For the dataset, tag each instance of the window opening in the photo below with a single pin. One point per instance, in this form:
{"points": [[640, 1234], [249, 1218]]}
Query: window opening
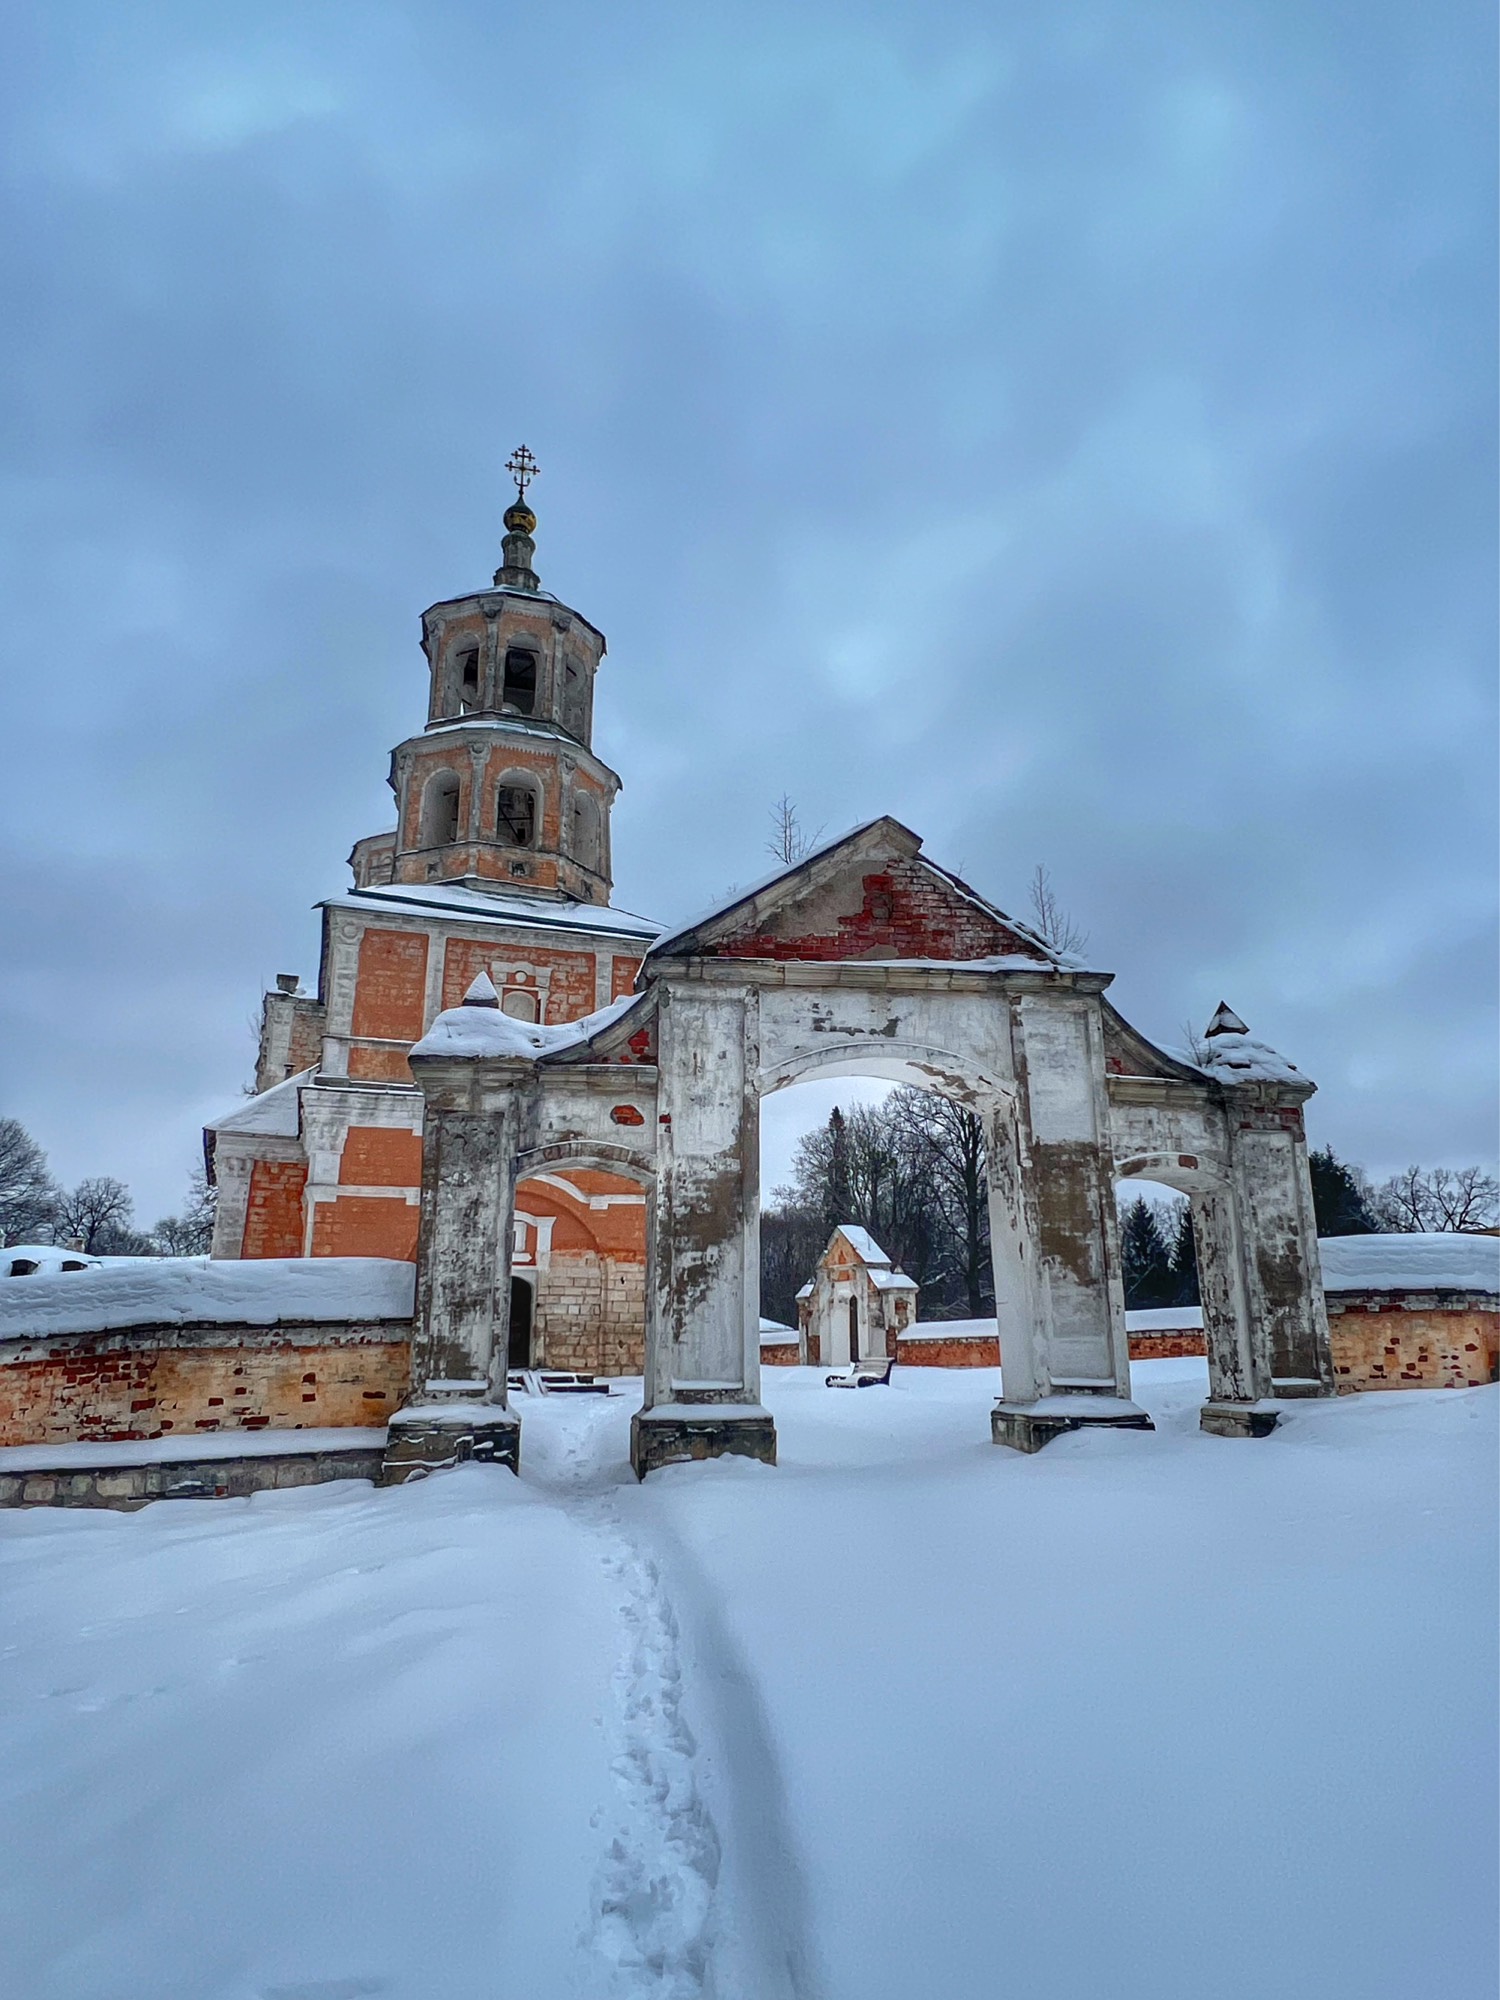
{"points": [[515, 815], [440, 810], [519, 1004], [520, 681], [468, 679], [586, 832]]}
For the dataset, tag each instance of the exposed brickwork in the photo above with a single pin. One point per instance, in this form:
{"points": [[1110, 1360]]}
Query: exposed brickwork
{"points": [[392, 980], [570, 992], [365, 1226], [908, 911], [1384, 1342], [273, 1217], [966, 1351], [169, 1382], [785, 1354], [378, 1065], [377, 1156], [622, 979], [1166, 1346], [590, 1308]]}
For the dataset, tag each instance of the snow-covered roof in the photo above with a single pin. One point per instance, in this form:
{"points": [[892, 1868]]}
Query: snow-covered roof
{"points": [[1421, 1262], [806, 1291], [274, 1111], [35, 1258], [496, 906], [481, 1028], [176, 1291], [774, 1334], [892, 1281], [1240, 1058], [862, 1243]]}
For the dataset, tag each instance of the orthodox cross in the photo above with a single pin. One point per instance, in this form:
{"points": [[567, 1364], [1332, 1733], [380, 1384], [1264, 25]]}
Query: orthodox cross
{"points": [[523, 468]]}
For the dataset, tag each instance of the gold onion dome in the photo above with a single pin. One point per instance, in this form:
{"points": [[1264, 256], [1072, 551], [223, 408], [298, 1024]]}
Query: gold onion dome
{"points": [[519, 519]]}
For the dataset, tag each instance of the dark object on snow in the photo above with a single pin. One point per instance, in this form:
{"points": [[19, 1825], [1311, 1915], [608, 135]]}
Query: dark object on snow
{"points": [[555, 1382], [872, 1374]]}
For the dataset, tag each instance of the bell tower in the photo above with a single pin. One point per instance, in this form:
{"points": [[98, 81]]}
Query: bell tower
{"points": [[502, 789]]}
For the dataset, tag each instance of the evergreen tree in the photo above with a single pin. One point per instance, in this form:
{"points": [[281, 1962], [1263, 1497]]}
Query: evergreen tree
{"points": [[1146, 1258], [1184, 1255], [1339, 1200]]}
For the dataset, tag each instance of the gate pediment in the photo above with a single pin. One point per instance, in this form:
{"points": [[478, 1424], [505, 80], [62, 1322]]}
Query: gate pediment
{"points": [[871, 894]]}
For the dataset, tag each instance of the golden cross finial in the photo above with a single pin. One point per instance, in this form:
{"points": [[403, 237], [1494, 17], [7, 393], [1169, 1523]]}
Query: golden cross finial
{"points": [[523, 468]]}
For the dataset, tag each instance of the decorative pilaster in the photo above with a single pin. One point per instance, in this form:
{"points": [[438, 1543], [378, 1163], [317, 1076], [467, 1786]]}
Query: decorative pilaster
{"points": [[457, 1407], [703, 1354]]}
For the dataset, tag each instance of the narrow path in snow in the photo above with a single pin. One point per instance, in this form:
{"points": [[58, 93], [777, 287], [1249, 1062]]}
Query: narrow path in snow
{"points": [[652, 1922]]}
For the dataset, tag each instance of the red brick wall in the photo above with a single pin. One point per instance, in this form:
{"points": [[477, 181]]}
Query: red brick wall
{"points": [[273, 1217], [377, 1157], [365, 1226], [623, 978], [379, 1065], [109, 1386], [906, 912], [1166, 1346], [390, 986], [1384, 1345], [570, 995], [970, 1352]]}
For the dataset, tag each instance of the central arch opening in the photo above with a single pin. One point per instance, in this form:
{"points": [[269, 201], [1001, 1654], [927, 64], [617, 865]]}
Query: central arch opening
{"points": [[874, 1219]]}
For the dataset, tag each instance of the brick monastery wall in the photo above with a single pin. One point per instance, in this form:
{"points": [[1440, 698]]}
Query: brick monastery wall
{"points": [[1380, 1343], [175, 1381], [273, 1220]]}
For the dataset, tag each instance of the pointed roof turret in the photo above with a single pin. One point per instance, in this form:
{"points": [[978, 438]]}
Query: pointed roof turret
{"points": [[1224, 1022], [481, 993]]}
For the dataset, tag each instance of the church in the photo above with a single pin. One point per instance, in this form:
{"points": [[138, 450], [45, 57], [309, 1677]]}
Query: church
{"points": [[499, 863]]}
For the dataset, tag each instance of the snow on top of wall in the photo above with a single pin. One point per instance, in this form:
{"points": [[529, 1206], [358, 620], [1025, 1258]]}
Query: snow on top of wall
{"points": [[892, 1281], [272, 1111], [1242, 1059], [44, 1257], [1436, 1261], [1164, 1319], [497, 906], [477, 1031], [177, 1291], [774, 1334]]}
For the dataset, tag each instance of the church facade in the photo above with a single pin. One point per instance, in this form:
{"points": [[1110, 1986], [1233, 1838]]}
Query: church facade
{"points": [[499, 864]]}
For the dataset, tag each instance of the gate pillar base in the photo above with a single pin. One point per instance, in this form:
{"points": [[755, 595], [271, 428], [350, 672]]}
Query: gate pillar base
{"points": [[422, 1441], [673, 1432], [1239, 1420], [1029, 1426]]}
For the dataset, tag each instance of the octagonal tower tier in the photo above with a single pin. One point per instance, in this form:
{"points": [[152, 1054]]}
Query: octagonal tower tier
{"points": [[502, 789]]}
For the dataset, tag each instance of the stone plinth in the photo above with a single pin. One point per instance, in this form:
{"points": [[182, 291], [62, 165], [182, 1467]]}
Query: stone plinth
{"points": [[1239, 1420], [1029, 1426], [671, 1433], [440, 1435]]}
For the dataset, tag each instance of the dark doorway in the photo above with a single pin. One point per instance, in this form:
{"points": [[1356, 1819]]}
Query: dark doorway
{"points": [[518, 1354], [854, 1330]]}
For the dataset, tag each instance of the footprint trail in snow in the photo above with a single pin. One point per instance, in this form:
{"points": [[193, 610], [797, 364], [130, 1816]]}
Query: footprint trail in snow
{"points": [[651, 1932]]}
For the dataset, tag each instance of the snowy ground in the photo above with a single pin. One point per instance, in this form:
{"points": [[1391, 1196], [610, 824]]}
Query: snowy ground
{"points": [[906, 1716]]}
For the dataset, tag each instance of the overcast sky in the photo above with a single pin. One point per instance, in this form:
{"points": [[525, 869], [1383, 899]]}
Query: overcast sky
{"points": [[1067, 427]]}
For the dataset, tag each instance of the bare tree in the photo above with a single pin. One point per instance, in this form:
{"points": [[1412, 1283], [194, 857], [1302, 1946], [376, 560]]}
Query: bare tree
{"points": [[100, 1214], [1438, 1198], [190, 1234], [28, 1194], [788, 841], [1051, 922]]}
